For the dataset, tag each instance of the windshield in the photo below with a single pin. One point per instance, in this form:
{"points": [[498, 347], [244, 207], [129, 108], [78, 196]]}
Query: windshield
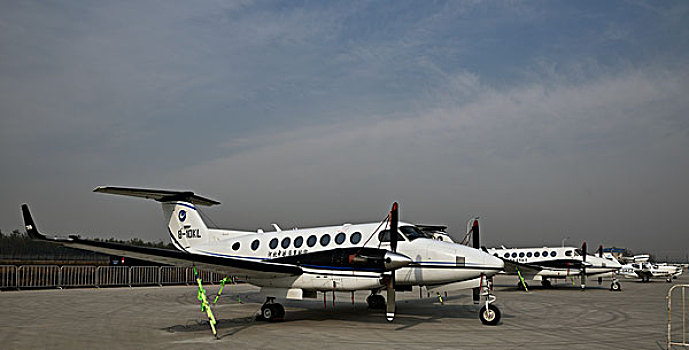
{"points": [[577, 252], [413, 233]]}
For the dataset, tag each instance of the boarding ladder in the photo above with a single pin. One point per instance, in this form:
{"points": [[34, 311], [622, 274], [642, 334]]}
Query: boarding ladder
{"points": [[683, 292]]}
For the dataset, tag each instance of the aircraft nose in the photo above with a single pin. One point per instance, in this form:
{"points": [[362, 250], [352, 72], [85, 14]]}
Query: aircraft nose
{"points": [[493, 262]]}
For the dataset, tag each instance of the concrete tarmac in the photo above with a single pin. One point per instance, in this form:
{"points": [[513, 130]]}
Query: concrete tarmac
{"points": [[563, 317]]}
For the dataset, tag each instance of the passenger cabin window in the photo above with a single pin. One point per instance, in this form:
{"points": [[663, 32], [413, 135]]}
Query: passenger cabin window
{"points": [[285, 242], [528, 255], [568, 253], [355, 238], [273, 243], [537, 254], [298, 242], [340, 238], [507, 255], [521, 254], [545, 254], [514, 255], [325, 239], [235, 246], [254, 244], [384, 236], [311, 241], [495, 255], [553, 253]]}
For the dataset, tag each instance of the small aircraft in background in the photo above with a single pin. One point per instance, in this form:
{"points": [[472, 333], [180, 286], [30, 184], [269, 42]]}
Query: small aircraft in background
{"points": [[647, 271], [387, 256], [546, 263]]}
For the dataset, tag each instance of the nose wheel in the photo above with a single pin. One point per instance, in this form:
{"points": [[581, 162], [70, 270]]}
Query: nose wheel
{"points": [[489, 314]]}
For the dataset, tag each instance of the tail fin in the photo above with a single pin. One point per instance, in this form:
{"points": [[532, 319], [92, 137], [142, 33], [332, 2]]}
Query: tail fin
{"points": [[185, 225], [30, 225]]}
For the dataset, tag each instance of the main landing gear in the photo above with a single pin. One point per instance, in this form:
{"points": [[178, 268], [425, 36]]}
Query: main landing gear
{"points": [[375, 301], [615, 285], [546, 283], [271, 311]]}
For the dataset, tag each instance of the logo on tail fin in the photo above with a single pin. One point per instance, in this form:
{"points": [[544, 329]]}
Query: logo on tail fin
{"points": [[182, 215]]}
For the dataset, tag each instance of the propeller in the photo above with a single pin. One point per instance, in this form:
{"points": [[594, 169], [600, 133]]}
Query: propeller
{"points": [[476, 243], [583, 266], [600, 255], [390, 303]]}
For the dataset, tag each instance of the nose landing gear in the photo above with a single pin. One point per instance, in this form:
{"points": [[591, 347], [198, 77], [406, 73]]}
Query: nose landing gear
{"points": [[489, 314]]}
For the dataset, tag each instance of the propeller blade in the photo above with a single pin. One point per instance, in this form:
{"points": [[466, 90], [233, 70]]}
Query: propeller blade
{"points": [[476, 239], [390, 302], [394, 220], [600, 251], [476, 242], [583, 266]]}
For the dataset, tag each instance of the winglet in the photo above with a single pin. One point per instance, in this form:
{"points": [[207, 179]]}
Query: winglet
{"points": [[30, 225]]}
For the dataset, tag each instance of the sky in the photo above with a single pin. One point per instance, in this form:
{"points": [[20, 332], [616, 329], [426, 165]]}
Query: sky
{"points": [[551, 120]]}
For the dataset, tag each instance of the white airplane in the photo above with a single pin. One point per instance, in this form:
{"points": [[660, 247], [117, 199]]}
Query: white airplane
{"points": [[546, 263], [646, 271], [298, 263]]}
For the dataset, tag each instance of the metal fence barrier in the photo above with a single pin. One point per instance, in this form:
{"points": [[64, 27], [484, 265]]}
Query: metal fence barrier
{"points": [[173, 275], [29, 276], [683, 313], [54, 276], [77, 276], [8, 276]]}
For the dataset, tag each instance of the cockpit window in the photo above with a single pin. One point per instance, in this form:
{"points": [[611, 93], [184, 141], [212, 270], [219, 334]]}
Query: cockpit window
{"points": [[577, 252], [384, 236], [568, 253], [413, 233]]}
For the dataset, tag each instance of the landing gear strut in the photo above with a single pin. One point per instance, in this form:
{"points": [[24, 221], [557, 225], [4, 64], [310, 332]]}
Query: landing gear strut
{"points": [[375, 301], [271, 311], [489, 314]]}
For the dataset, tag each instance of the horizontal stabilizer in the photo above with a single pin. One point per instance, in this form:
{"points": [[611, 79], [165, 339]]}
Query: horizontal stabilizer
{"points": [[157, 195]]}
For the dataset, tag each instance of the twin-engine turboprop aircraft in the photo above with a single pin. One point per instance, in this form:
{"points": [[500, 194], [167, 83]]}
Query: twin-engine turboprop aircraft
{"points": [[299, 263], [647, 271], [546, 263]]}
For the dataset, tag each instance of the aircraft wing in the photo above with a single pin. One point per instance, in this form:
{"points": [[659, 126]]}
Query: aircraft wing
{"points": [[511, 267], [233, 266]]}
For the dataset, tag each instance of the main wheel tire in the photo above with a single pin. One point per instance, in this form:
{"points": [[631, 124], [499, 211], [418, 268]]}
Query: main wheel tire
{"points": [[267, 312], [615, 287], [522, 286], [279, 312], [489, 316], [375, 301], [546, 284]]}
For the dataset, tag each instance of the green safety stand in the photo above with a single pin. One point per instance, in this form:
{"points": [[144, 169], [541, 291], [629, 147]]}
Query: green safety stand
{"points": [[522, 280], [222, 286], [205, 305]]}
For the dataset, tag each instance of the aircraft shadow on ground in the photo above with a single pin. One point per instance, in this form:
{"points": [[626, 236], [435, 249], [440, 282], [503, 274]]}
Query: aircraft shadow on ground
{"points": [[410, 313]]}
